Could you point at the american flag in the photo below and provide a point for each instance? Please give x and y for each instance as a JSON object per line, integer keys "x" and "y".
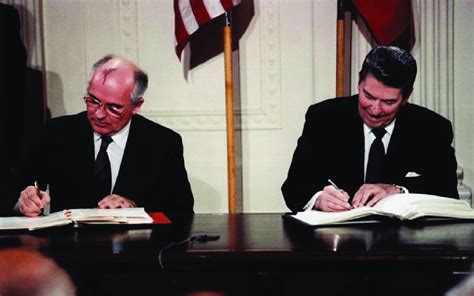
{"x": 390, "y": 21}
{"x": 191, "y": 14}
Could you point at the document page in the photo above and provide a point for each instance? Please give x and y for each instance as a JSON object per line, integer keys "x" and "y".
{"x": 31, "y": 223}
{"x": 128, "y": 215}
{"x": 414, "y": 205}
{"x": 401, "y": 206}
{"x": 321, "y": 218}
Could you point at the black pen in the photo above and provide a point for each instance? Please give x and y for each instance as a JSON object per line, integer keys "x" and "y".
{"x": 338, "y": 189}
{"x": 38, "y": 192}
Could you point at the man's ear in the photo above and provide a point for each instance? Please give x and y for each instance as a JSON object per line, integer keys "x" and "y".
{"x": 138, "y": 105}
{"x": 405, "y": 99}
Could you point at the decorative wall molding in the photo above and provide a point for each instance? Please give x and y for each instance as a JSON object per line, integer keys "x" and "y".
{"x": 434, "y": 85}
{"x": 266, "y": 113}
{"x": 129, "y": 29}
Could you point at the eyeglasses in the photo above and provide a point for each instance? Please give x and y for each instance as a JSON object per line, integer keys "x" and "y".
{"x": 112, "y": 109}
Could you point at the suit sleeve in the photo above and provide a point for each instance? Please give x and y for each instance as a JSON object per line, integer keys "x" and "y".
{"x": 436, "y": 162}
{"x": 12, "y": 86}
{"x": 178, "y": 189}
{"x": 305, "y": 176}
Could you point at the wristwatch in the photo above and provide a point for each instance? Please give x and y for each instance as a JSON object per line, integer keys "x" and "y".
{"x": 401, "y": 189}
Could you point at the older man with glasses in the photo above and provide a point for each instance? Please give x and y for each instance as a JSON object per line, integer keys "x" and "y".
{"x": 108, "y": 156}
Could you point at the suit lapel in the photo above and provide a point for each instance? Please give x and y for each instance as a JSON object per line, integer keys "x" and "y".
{"x": 127, "y": 171}
{"x": 84, "y": 149}
{"x": 358, "y": 139}
{"x": 396, "y": 154}
{"x": 351, "y": 150}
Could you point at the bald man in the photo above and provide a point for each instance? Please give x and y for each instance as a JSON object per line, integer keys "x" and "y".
{"x": 28, "y": 273}
{"x": 142, "y": 161}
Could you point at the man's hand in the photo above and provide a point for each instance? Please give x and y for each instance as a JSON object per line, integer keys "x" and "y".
{"x": 115, "y": 201}
{"x": 370, "y": 194}
{"x": 332, "y": 200}
{"x": 32, "y": 201}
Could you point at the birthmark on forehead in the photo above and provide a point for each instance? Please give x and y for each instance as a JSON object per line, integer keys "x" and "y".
{"x": 106, "y": 73}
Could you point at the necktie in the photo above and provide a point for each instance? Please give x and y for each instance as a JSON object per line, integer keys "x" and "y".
{"x": 102, "y": 173}
{"x": 376, "y": 157}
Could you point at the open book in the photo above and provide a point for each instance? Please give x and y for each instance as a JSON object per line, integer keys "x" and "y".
{"x": 102, "y": 216}
{"x": 399, "y": 206}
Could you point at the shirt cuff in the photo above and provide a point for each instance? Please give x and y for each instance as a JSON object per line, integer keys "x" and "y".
{"x": 310, "y": 205}
{"x": 402, "y": 189}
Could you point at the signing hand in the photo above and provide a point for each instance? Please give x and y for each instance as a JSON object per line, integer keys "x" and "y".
{"x": 115, "y": 201}
{"x": 32, "y": 201}
{"x": 332, "y": 200}
{"x": 370, "y": 194}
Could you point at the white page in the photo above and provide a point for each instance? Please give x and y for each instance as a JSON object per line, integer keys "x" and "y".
{"x": 320, "y": 218}
{"x": 403, "y": 206}
{"x": 54, "y": 219}
{"x": 127, "y": 215}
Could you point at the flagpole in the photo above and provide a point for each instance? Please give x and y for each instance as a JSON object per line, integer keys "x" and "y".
{"x": 340, "y": 48}
{"x": 229, "y": 96}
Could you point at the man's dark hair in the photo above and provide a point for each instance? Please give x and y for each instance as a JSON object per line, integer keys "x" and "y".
{"x": 392, "y": 66}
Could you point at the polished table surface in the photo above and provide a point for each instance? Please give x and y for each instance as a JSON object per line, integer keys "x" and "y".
{"x": 256, "y": 243}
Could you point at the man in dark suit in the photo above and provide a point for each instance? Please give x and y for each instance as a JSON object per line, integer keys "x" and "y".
{"x": 12, "y": 87}
{"x": 109, "y": 156}
{"x": 373, "y": 144}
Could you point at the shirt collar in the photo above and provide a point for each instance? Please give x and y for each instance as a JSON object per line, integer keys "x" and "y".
{"x": 389, "y": 128}
{"x": 120, "y": 138}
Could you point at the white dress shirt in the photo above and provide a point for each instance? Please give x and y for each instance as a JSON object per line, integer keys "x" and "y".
{"x": 369, "y": 137}
{"x": 115, "y": 150}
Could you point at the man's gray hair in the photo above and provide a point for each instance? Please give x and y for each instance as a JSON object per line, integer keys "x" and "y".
{"x": 141, "y": 78}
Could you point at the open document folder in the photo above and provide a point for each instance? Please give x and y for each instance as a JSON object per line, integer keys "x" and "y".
{"x": 399, "y": 206}
{"x": 102, "y": 216}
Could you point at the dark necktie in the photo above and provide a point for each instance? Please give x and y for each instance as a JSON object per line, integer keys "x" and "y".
{"x": 376, "y": 157}
{"x": 102, "y": 171}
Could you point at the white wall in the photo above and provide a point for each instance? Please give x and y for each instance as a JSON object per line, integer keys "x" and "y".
{"x": 286, "y": 62}
{"x": 279, "y": 60}
{"x": 463, "y": 86}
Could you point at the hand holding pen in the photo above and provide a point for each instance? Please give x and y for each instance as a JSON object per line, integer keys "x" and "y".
{"x": 333, "y": 199}
{"x": 33, "y": 201}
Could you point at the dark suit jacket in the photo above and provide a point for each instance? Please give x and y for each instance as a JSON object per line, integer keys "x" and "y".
{"x": 152, "y": 172}
{"x": 332, "y": 147}
{"x": 12, "y": 87}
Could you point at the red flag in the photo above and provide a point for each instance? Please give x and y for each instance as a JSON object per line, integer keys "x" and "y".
{"x": 191, "y": 14}
{"x": 388, "y": 20}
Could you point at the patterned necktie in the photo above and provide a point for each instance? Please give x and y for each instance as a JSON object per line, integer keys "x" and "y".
{"x": 376, "y": 157}
{"x": 102, "y": 171}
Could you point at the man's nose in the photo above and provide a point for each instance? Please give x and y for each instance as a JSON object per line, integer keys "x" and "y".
{"x": 101, "y": 112}
{"x": 375, "y": 108}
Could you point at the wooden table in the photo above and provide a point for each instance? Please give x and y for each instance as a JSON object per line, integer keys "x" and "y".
{"x": 258, "y": 254}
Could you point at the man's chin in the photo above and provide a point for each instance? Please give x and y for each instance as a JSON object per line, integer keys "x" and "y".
{"x": 375, "y": 124}
{"x": 101, "y": 130}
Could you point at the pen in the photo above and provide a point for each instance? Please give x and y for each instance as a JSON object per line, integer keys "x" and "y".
{"x": 37, "y": 188}
{"x": 333, "y": 184}
{"x": 337, "y": 188}
{"x": 38, "y": 191}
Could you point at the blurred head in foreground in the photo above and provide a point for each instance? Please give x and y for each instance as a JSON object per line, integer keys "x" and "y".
{"x": 28, "y": 273}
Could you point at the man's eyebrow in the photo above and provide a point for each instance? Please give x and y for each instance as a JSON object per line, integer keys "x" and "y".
{"x": 94, "y": 97}
{"x": 108, "y": 104}
{"x": 368, "y": 93}
{"x": 383, "y": 99}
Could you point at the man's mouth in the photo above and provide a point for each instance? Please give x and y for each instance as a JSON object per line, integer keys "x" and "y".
{"x": 100, "y": 124}
{"x": 375, "y": 117}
